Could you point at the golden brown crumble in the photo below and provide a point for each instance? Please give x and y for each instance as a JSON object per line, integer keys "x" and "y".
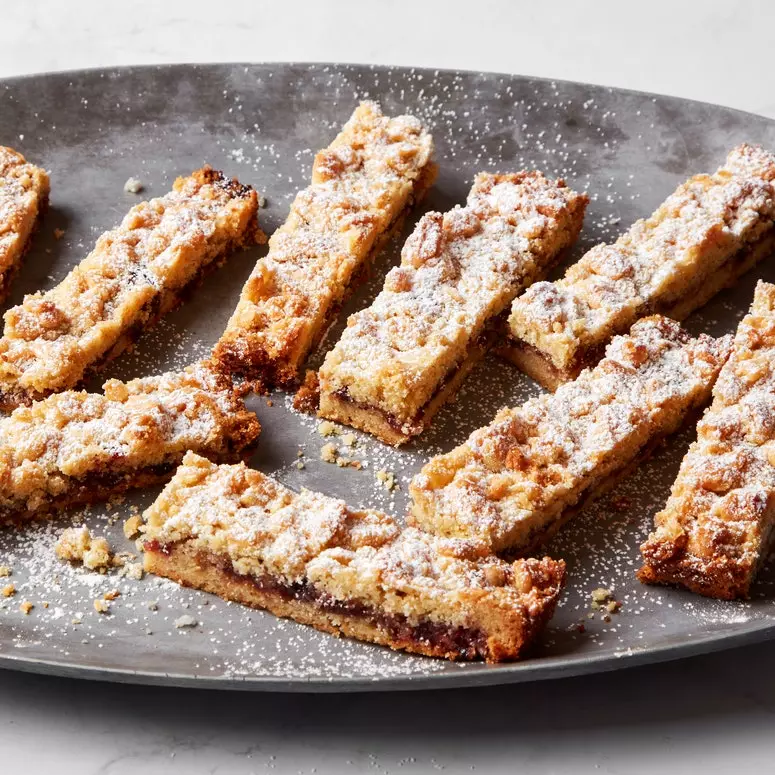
{"x": 705, "y": 234}
{"x": 716, "y": 527}
{"x": 515, "y": 481}
{"x": 362, "y": 184}
{"x": 77, "y": 544}
{"x": 234, "y": 524}
{"x": 135, "y": 274}
{"x": 132, "y": 526}
{"x": 77, "y": 447}
{"x": 328, "y": 453}
{"x": 437, "y": 312}
{"x": 24, "y": 190}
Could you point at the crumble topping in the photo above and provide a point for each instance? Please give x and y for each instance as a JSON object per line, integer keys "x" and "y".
{"x": 328, "y": 453}
{"x": 459, "y": 271}
{"x": 514, "y": 479}
{"x": 77, "y": 544}
{"x": 717, "y": 524}
{"x": 134, "y": 274}
{"x": 48, "y": 449}
{"x": 24, "y": 190}
{"x": 660, "y": 263}
{"x": 361, "y": 185}
{"x": 133, "y": 186}
{"x": 263, "y": 529}
{"x": 132, "y": 526}
{"x": 101, "y": 606}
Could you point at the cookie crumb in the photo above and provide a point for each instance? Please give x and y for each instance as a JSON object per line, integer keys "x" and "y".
{"x": 132, "y": 526}
{"x": 5, "y": 571}
{"x": 133, "y": 571}
{"x": 307, "y": 398}
{"x": 328, "y": 453}
{"x": 133, "y": 186}
{"x": 327, "y": 428}
{"x": 59, "y": 233}
{"x": 76, "y": 544}
{"x": 9, "y": 590}
{"x": 101, "y": 606}
{"x": 349, "y": 439}
{"x": 387, "y": 479}
{"x": 185, "y": 621}
{"x": 603, "y": 598}
{"x": 112, "y": 595}
{"x": 26, "y": 607}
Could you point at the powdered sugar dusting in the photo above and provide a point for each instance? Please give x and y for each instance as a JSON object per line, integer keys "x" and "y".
{"x": 626, "y": 151}
{"x": 458, "y": 272}
{"x": 698, "y": 229}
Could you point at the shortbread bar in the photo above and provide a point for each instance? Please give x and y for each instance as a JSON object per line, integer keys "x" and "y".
{"x": 237, "y": 533}
{"x": 75, "y": 447}
{"x": 700, "y": 240}
{"x": 716, "y": 527}
{"x": 362, "y": 186}
{"x": 402, "y": 358}
{"x": 24, "y": 190}
{"x": 515, "y": 482}
{"x": 135, "y": 275}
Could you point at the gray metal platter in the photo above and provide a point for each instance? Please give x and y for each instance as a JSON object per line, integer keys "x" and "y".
{"x": 263, "y": 124}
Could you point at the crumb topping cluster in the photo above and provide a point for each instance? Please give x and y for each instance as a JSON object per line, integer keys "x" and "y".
{"x": 715, "y": 527}
{"x": 656, "y": 265}
{"x": 265, "y": 529}
{"x": 361, "y": 186}
{"x": 514, "y": 478}
{"x": 24, "y": 190}
{"x": 458, "y": 271}
{"x": 133, "y": 275}
{"x": 55, "y": 444}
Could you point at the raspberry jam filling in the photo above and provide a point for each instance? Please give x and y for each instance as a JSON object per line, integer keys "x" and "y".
{"x": 448, "y": 639}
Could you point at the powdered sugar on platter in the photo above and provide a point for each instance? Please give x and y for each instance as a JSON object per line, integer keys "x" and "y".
{"x": 263, "y": 124}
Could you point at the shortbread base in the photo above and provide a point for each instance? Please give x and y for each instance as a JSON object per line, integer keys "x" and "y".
{"x": 241, "y": 357}
{"x": 304, "y": 604}
{"x": 724, "y": 578}
{"x": 537, "y": 366}
{"x": 521, "y": 542}
{"x": 13, "y": 396}
{"x": 98, "y": 488}
{"x": 388, "y": 428}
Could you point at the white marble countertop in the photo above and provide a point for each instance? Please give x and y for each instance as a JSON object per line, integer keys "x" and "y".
{"x": 710, "y": 713}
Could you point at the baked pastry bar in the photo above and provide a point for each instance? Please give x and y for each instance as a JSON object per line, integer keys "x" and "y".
{"x": 516, "y": 481}
{"x": 399, "y": 360}
{"x": 135, "y": 275}
{"x": 362, "y": 186}
{"x": 700, "y": 240}
{"x": 717, "y": 525}
{"x": 75, "y": 447}
{"x": 24, "y": 190}
{"x": 237, "y": 533}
